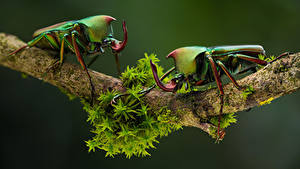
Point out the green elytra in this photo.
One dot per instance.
(198, 65)
(88, 36)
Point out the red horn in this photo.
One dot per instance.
(121, 45)
(169, 87)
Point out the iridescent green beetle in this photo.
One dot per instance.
(198, 65)
(88, 36)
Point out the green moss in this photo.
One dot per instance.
(226, 121)
(247, 92)
(130, 126)
(141, 74)
(265, 58)
(70, 96)
(24, 75)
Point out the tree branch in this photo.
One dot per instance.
(274, 80)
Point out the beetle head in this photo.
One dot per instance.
(185, 59)
(186, 65)
(118, 46)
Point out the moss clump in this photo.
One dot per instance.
(130, 126)
(247, 92)
(24, 75)
(70, 96)
(266, 58)
(226, 121)
(142, 73)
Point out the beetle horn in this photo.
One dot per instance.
(118, 46)
(169, 87)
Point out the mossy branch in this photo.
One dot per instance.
(280, 78)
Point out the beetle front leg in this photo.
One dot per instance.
(82, 63)
(62, 47)
(117, 63)
(219, 84)
(93, 60)
(228, 74)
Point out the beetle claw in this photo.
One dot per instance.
(118, 46)
(169, 87)
(220, 136)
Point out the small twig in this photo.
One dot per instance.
(274, 80)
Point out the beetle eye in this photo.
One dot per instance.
(179, 77)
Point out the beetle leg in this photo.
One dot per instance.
(280, 56)
(18, 50)
(117, 62)
(29, 44)
(228, 74)
(93, 60)
(251, 59)
(219, 84)
(62, 47)
(61, 53)
(52, 41)
(81, 61)
(64, 41)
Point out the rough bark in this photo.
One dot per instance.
(277, 79)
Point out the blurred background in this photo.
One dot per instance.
(41, 128)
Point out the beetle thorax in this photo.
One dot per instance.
(185, 59)
(96, 28)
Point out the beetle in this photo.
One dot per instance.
(88, 36)
(198, 65)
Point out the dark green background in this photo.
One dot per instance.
(40, 128)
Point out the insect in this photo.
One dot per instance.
(88, 36)
(198, 65)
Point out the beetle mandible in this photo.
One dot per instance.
(198, 65)
(88, 36)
